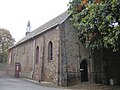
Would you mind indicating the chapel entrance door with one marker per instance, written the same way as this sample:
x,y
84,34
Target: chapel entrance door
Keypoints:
x,y
84,71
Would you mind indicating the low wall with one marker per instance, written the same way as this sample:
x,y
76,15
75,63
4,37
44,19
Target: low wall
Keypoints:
x,y
3,69
3,66
10,70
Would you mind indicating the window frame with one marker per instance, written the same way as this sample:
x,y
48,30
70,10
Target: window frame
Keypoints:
x,y
50,51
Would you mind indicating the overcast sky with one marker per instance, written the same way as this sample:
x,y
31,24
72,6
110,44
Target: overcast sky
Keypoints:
x,y
14,14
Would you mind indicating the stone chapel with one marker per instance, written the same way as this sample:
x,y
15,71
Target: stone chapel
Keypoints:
x,y
54,53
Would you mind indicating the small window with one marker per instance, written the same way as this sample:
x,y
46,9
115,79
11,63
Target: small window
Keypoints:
x,y
50,51
37,54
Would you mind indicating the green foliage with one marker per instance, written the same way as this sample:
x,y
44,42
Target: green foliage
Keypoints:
x,y
6,41
98,23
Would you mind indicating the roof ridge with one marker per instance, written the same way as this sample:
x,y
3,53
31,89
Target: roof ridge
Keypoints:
x,y
46,26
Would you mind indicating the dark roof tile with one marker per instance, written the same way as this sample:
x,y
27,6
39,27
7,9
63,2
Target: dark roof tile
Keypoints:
x,y
58,20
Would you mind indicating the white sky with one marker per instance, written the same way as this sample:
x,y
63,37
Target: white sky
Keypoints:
x,y
14,14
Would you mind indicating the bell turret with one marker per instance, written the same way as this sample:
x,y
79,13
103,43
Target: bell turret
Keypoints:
x,y
28,29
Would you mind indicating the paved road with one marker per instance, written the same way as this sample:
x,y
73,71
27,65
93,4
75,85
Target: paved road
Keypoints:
x,y
7,83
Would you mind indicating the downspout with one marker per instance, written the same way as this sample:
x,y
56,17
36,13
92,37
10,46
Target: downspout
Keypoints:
x,y
33,64
59,53
43,57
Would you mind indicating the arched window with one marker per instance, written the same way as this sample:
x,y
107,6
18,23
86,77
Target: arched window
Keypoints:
x,y
50,51
37,54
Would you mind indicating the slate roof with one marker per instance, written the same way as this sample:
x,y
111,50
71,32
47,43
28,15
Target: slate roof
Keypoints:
x,y
54,22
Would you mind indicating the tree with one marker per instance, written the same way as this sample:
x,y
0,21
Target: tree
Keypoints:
x,y
98,22
6,41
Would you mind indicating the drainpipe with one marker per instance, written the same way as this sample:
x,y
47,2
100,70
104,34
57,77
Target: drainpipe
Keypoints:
x,y
43,57
33,63
59,58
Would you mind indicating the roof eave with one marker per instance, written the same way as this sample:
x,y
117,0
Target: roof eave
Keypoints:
x,y
34,36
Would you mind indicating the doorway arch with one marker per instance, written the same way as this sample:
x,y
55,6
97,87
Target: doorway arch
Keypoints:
x,y
84,71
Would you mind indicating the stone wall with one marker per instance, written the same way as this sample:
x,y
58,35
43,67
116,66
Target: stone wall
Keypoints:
x,y
39,42
51,67
3,68
23,53
72,54
87,54
45,70
69,54
10,70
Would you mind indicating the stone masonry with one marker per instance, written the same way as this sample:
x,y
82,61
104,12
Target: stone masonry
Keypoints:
x,y
71,62
68,53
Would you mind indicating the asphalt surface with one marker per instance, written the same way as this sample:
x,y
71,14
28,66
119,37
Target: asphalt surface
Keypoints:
x,y
8,83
